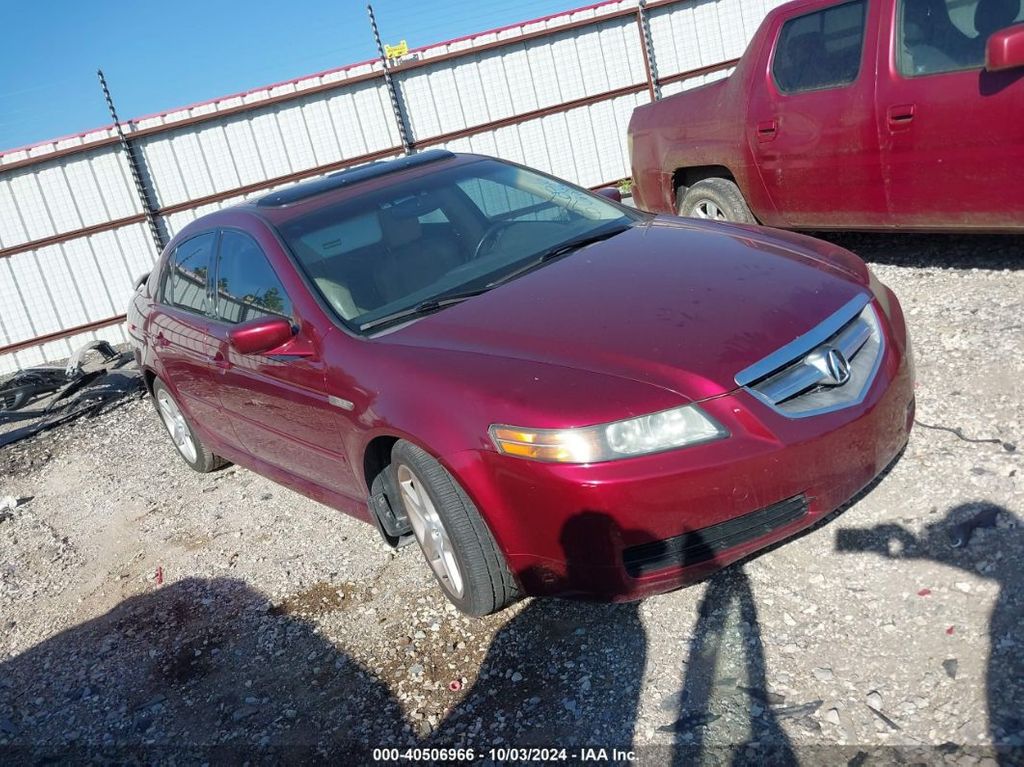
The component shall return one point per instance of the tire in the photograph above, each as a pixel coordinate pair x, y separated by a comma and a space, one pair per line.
450, 531
191, 449
716, 199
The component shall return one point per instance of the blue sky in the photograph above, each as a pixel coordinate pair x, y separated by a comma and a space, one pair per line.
158, 55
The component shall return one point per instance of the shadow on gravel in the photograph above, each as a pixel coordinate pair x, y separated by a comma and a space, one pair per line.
951, 251
197, 671
987, 540
561, 673
207, 671
726, 680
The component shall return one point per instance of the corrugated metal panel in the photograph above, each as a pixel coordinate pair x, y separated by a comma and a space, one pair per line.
589, 60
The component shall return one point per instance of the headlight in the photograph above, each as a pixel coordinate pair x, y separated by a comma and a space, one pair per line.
679, 427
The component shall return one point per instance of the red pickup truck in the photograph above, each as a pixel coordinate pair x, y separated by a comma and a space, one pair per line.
866, 114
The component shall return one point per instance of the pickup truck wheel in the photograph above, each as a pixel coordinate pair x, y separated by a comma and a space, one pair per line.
455, 541
190, 448
716, 199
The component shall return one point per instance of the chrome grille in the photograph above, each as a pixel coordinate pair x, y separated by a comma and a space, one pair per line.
828, 368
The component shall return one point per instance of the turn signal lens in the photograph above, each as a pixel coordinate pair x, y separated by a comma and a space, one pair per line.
666, 430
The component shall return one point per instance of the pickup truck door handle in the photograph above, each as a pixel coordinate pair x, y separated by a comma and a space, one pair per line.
900, 116
766, 130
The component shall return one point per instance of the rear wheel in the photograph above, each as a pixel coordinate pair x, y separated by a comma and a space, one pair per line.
190, 448
716, 199
455, 541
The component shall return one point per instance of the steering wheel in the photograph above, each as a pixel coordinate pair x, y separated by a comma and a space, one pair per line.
490, 237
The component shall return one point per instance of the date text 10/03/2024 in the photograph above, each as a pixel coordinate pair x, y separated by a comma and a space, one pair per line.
504, 754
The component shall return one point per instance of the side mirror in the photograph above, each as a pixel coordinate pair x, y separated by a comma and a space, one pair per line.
1005, 49
611, 192
261, 335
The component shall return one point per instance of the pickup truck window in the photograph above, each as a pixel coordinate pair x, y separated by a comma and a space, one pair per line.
949, 35
821, 49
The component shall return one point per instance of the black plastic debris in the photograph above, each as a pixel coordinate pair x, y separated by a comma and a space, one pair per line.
45, 397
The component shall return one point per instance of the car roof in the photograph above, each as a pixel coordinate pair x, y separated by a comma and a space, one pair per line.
306, 189
278, 207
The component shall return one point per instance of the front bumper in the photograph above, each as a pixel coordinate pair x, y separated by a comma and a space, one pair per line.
575, 530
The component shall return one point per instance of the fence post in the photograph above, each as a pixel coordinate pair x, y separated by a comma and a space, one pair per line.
647, 46
144, 198
396, 103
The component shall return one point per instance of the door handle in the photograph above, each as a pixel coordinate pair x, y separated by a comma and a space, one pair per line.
220, 362
900, 116
766, 130
161, 341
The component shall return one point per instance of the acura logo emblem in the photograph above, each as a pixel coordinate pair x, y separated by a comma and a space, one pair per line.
837, 366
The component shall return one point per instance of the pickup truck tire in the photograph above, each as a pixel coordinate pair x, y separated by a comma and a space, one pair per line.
716, 199
453, 536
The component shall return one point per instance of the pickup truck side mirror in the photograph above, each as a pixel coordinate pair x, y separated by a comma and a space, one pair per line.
611, 192
261, 335
1005, 49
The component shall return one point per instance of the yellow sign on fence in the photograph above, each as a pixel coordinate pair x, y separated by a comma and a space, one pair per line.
396, 51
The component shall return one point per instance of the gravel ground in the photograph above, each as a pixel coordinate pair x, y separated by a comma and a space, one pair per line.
144, 606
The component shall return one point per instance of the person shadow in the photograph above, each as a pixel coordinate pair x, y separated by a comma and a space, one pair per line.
986, 540
726, 679
562, 672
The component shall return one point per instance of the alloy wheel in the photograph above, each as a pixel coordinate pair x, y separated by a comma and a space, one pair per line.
173, 419
430, 531
708, 209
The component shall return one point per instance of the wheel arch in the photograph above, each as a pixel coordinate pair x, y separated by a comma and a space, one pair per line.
685, 177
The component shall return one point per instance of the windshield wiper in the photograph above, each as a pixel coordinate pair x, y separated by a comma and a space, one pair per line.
559, 250
429, 306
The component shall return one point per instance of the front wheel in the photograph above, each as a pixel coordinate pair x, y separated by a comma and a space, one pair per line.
454, 538
716, 199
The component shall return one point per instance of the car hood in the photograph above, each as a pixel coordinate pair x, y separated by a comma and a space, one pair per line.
679, 305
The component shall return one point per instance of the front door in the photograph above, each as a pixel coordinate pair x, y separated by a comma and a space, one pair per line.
278, 404
811, 125
952, 134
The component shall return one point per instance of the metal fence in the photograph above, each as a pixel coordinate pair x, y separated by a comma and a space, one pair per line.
555, 93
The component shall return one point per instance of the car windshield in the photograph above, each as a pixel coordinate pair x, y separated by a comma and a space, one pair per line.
458, 230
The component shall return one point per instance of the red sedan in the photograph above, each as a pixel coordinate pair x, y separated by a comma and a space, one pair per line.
550, 392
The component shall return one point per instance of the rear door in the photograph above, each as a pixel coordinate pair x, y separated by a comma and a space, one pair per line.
179, 330
277, 404
811, 122
952, 134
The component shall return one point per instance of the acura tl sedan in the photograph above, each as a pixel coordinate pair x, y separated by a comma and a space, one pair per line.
551, 393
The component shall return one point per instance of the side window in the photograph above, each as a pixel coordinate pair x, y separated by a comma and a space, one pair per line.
950, 35
820, 50
499, 201
188, 270
247, 287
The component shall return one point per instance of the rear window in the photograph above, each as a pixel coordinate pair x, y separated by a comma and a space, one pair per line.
820, 50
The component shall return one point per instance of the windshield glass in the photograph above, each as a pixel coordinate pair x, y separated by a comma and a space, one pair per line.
455, 230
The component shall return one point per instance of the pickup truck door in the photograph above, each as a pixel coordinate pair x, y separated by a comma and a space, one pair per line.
952, 134
811, 122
